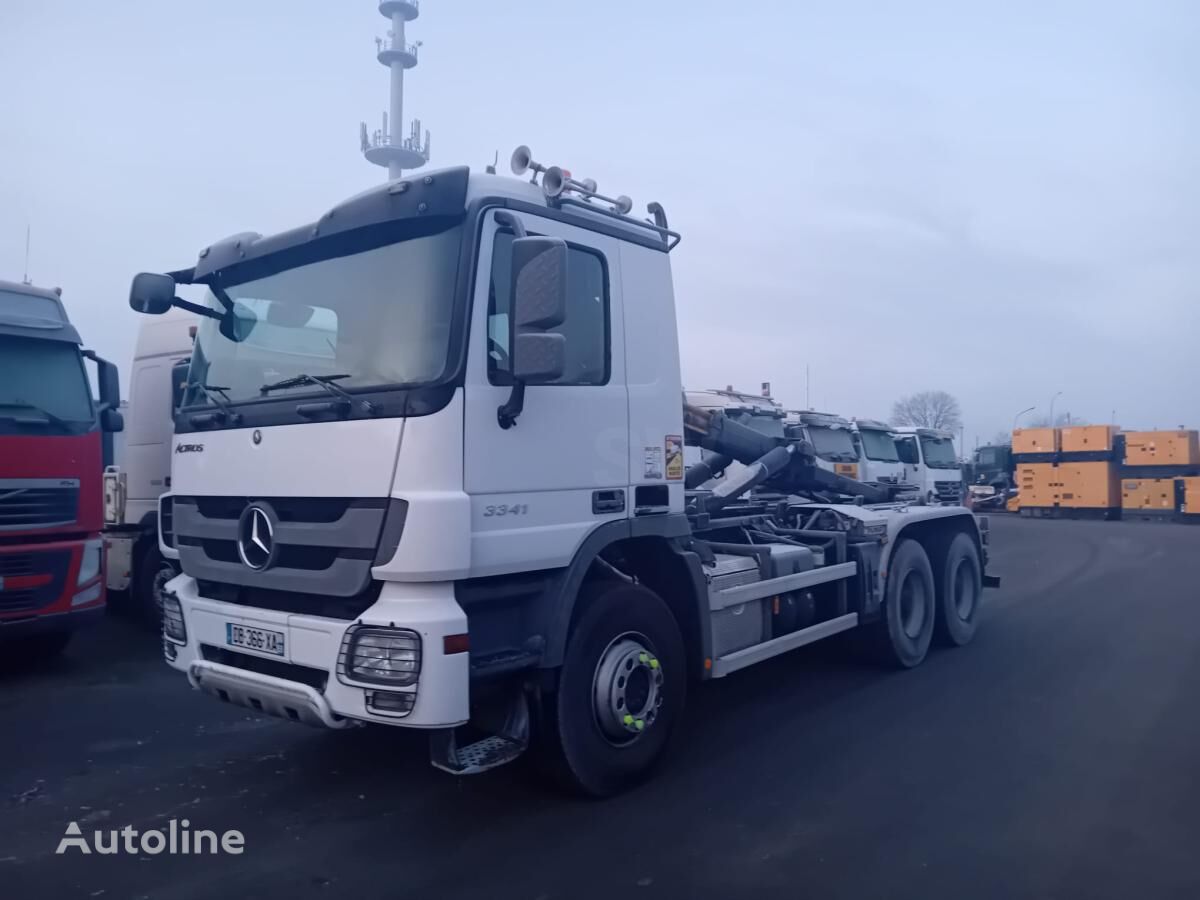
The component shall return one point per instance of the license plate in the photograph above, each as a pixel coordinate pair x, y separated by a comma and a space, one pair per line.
254, 638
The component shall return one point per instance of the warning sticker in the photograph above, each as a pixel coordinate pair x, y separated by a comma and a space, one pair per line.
653, 462
674, 448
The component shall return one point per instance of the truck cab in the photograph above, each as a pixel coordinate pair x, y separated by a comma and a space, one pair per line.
832, 439
158, 378
51, 458
429, 472
931, 463
878, 459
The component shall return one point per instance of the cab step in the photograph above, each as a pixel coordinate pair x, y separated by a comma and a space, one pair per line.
488, 752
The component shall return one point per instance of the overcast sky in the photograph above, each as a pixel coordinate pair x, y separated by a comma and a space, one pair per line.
998, 200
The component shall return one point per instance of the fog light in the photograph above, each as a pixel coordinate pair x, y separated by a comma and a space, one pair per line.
172, 619
381, 655
89, 596
89, 561
390, 704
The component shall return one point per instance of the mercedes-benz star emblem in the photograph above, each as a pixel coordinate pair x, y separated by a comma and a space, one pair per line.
256, 538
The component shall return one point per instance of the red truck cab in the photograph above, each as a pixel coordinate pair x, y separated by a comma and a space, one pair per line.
51, 467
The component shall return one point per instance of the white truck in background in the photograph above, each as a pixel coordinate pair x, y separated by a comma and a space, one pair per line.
469, 513
878, 458
931, 463
832, 441
132, 488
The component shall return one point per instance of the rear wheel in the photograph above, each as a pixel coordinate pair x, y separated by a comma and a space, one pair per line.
959, 591
620, 692
903, 635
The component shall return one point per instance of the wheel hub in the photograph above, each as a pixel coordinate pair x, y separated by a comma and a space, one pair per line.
627, 689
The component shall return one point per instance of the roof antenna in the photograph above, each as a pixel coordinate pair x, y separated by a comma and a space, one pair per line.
25, 277
491, 170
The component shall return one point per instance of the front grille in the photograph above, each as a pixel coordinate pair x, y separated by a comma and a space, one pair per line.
33, 503
12, 564
314, 678
322, 547
344, 608
18, 601
54, 563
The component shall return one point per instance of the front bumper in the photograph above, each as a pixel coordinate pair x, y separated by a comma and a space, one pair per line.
305, 684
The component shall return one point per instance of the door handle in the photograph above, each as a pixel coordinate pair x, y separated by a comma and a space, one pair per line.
612, 501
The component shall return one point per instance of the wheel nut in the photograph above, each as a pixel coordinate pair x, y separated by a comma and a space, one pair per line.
628, 720
640, 724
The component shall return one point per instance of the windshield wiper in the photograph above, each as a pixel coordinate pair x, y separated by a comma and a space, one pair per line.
325, 382
220, 398
51, 418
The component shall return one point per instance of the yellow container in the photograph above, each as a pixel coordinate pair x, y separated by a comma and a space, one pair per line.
1162, 448
1087, 438
1039, 484
1035, 440
1191, 496
1149, 493
1090, 485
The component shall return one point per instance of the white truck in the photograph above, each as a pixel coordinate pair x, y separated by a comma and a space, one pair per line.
930, 463
465, 508
132, 488
878, 458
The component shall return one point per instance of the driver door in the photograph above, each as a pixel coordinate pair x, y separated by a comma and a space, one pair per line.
539, 488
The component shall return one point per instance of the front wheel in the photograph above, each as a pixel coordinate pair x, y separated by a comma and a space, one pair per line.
152, 575
620, 692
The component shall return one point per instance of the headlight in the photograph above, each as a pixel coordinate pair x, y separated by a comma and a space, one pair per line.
172, 619
381, 655
89, 561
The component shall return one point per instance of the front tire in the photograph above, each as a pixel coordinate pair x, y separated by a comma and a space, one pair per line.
153, 572
620, 692
959, 591
903, 636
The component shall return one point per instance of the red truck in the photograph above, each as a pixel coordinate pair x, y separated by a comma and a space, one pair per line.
52, 440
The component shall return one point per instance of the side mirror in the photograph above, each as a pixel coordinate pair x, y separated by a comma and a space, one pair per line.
111, 420
237, 323
539, 358
539, 304
151, 293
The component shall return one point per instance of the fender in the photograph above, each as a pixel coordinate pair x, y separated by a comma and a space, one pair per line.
562, 588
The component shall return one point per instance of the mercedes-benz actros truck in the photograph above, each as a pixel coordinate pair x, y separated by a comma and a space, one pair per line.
429, 472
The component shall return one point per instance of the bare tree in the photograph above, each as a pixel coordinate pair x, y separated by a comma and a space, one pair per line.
928, 409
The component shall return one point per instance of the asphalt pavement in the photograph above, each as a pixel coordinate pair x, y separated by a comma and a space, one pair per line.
1056, 756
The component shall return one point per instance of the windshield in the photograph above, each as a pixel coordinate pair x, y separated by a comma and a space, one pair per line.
379, 317
990, 458
43, 375
878, 445
939, 453
833, 444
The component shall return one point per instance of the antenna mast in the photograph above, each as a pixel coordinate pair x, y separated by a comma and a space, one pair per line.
25, 276
386, 146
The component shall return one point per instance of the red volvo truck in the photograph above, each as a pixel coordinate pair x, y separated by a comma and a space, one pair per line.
53, 436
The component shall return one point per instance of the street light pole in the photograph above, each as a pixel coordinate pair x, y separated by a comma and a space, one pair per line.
1052, 399
1018, 415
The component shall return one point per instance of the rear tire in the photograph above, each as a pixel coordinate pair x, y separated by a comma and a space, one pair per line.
620, 692
903, 635
959, 592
